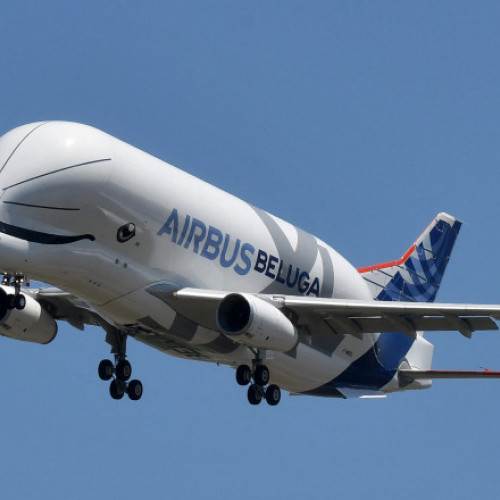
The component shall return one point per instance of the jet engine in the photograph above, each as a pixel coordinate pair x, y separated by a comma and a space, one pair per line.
255, 322
31, 324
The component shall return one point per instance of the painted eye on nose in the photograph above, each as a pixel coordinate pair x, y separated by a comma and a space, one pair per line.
125, 232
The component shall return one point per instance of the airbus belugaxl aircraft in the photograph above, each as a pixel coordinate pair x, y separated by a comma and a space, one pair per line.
145, 250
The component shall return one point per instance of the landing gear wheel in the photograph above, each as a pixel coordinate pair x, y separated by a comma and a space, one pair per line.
20, 302
261, 375
106, 369
117, 389
273, 395
134, 390
123, 370
243, 375
254, 394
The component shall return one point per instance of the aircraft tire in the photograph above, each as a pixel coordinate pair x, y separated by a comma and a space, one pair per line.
254, 394
134, 390
243, 375
273, 395
123, 370
261, 375
116, 389
106, 369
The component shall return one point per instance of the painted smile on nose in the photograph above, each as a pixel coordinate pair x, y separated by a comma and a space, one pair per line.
39, 237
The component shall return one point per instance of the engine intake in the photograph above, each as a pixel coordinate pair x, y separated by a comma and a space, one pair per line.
31, 324
255, 322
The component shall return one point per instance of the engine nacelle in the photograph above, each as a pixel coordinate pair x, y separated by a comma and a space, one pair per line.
31, 324
256, 323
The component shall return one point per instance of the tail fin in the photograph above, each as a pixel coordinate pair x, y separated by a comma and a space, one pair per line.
417, 276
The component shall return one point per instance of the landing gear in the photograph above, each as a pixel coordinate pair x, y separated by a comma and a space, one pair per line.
120, 371
258, 391
118, 388
15, 300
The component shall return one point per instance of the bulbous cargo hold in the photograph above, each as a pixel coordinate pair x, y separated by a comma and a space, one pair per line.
31, 324
255, 322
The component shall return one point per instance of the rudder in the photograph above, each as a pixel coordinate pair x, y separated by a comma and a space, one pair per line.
416, 277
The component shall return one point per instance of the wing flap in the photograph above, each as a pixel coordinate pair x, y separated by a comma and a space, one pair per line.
67, 307
357, 317
410, 326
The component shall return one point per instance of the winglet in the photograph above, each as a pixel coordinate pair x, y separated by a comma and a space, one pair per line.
417, 275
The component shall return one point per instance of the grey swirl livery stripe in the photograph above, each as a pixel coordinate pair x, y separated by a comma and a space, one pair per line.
305, 256
185, 329
39, 237
328, 274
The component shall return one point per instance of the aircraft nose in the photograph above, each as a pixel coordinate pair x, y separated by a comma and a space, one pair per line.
51, 164
50, 177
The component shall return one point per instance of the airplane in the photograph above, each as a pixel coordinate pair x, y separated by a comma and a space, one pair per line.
142, 249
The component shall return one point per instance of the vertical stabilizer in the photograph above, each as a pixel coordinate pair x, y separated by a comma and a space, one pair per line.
417, 276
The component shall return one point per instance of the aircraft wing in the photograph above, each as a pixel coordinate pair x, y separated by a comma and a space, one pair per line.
355, 317
66, 307
359, 317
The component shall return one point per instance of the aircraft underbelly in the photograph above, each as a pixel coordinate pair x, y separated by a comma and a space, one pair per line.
153, 322
302, 370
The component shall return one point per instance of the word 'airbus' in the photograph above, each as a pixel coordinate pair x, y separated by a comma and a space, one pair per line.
145, 250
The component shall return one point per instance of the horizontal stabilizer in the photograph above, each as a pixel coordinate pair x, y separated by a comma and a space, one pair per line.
447, 374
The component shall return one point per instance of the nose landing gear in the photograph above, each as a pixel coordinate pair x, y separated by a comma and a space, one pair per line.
16, 300
120, 371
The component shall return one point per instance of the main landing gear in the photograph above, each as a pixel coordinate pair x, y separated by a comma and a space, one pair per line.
257, 391
15, 300
120, 371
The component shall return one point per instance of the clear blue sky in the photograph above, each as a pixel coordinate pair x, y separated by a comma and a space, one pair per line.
357, 121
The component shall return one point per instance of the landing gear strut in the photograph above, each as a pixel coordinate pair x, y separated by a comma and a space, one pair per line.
257, 391
121, 370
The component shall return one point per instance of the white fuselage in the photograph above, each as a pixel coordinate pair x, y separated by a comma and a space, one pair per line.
73, 181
